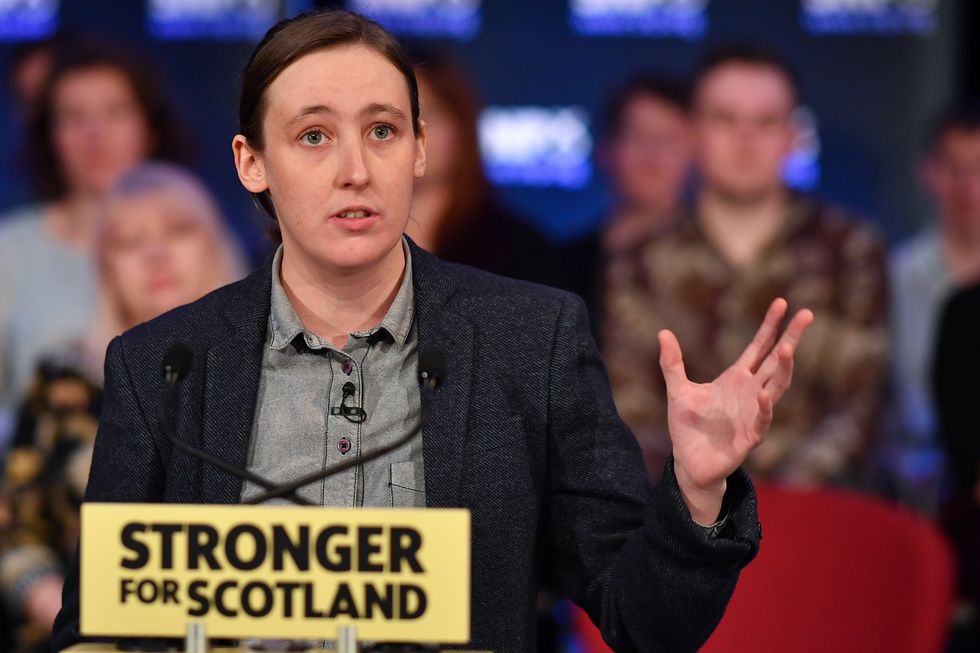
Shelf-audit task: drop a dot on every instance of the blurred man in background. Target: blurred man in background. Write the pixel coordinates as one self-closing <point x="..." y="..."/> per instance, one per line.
<point x="925" y="271"/>
<point x="750" y="239"/>
<point x="647" y="157"/>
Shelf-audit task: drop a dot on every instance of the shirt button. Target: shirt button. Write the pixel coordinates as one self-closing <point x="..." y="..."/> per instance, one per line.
<point x="758" y="525"/>
<point x="343" y="445"/>
<point x="348" y="367"/>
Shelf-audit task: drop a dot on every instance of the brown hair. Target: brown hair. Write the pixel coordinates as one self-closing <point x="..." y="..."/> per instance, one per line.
<point x="667" y="90"/>
<point x="749" y="54"/>
<point x="470" y="189"/>
<point x="290" y="39"/>
<point x="167" y="139"/>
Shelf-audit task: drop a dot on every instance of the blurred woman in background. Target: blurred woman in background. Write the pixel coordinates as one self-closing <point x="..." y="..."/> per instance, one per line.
<point x="454" y="213"/>
<point x="455" y="216"/>
<point x="161" y="244"/>
<point x="99" y="113"/>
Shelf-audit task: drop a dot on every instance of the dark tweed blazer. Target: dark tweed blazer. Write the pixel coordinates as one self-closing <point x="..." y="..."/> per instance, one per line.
<point x="523" y="432"/>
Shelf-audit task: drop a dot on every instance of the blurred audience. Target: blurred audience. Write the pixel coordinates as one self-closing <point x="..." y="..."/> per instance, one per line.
<point x="748" y="240"/>
<point x="956" y="381"/>
<point x="701" y="235"/>
<point x="925" y="271"/>
<point x="98" y="113"/>
<point x="454" y="212"/>
<point x="646" y="153"/>
<point x="161" y="243"/>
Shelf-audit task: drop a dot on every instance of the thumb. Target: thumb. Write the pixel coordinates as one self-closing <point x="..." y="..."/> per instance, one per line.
<point x="671" y="360"/>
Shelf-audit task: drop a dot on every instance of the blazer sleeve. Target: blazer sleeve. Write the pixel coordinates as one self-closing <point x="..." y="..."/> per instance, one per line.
<point x="126" y="468"/>
<point x="649" y="577"/>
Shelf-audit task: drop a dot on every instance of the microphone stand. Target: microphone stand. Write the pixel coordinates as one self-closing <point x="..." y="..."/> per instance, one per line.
<point x="169" y="393"/>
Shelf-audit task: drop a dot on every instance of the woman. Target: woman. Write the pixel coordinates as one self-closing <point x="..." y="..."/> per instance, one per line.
<point x="161" y="244"/>
<point x="521" y="431"/>
<point x="454" y="212"/>
<point x="99" y="113"/>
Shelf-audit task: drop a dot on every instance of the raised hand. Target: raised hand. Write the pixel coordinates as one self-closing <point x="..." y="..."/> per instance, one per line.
<point x="714" y="426"/>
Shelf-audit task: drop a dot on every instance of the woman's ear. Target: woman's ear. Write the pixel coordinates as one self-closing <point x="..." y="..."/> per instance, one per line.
<point x="250" y="165"/>
<point x="420" y="151"/>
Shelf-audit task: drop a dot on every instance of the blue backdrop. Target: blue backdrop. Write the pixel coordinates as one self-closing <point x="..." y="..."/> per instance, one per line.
<point x="872" y="92"/>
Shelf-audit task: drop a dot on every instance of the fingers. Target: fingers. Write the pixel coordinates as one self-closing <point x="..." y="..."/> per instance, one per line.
<point x="764" y="338"/>
<point x="776" y="371"/>
<point x="764" y="417"/>
<point x="779" y="382"/>
<point x="671" y="360"/>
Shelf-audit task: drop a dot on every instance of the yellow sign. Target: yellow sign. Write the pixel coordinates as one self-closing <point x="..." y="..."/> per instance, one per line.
<point x="275" y="572"/>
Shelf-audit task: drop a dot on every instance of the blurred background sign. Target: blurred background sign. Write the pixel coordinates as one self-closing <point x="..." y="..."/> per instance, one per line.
<point x="27" y="19"/>
<point x="536" y="146"/>
<point x="214" y="19"/>
<point x="686" y="19"/>
<point x="455" y="19"/>
<point x="869" y="16"/>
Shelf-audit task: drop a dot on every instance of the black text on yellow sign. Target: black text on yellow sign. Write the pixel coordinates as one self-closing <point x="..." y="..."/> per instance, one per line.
<point x="277" y="572"/>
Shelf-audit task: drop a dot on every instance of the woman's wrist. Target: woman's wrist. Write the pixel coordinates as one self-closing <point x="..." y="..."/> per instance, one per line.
<point x="703" y="502"/>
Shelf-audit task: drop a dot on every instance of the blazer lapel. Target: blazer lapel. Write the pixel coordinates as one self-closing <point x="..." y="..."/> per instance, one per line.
<point x="447" y="412"/>
<point x="230" y="388"/>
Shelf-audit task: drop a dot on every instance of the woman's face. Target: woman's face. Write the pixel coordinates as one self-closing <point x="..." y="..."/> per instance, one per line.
<point x="99" y="130"/>
<point x="158" y="254"/>
<point x="651" y="154"/>
<point x="340" y="157"/>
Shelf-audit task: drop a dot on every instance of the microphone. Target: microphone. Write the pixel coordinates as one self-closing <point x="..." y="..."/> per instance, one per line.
<point x="177" y="363"/>
<point x="432" y="369"/>
<point x="432" y="373"/>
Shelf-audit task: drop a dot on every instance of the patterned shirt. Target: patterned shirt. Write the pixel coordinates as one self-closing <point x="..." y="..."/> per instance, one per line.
<point x="820" y="260"/>
<point x="41" y="488"/>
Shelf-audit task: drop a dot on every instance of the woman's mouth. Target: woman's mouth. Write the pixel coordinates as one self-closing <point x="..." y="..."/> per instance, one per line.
<point x="355" y="219"/>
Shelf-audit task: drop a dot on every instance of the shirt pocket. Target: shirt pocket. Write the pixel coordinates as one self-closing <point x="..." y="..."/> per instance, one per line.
<point x="407" y="485"/>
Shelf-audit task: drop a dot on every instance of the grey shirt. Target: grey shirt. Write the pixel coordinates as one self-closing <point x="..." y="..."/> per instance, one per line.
<point x="920" y="284"/>
<point x="295" y="432"/>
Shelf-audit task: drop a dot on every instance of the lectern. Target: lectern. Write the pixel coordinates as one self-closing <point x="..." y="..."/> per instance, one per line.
<point x="273" y="578"/>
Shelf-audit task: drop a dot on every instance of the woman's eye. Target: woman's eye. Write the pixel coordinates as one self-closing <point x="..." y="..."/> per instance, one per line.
<point x="182" y="228"/>
<point x="313" y="138"/>
<point x="382" y="132"/>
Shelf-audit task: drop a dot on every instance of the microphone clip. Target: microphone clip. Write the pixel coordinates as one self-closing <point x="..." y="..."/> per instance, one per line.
<point x="354" y="414"/>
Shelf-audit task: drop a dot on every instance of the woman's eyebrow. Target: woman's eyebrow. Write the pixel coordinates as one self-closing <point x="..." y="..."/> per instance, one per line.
<point x="372" y="109"/>
<point x="309" y="111"/>
<point x="376" y="108"/>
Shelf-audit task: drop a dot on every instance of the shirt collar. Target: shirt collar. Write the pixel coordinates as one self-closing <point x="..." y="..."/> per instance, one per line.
<point x="800" y="211"/>
<point x="286" y="325"/>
